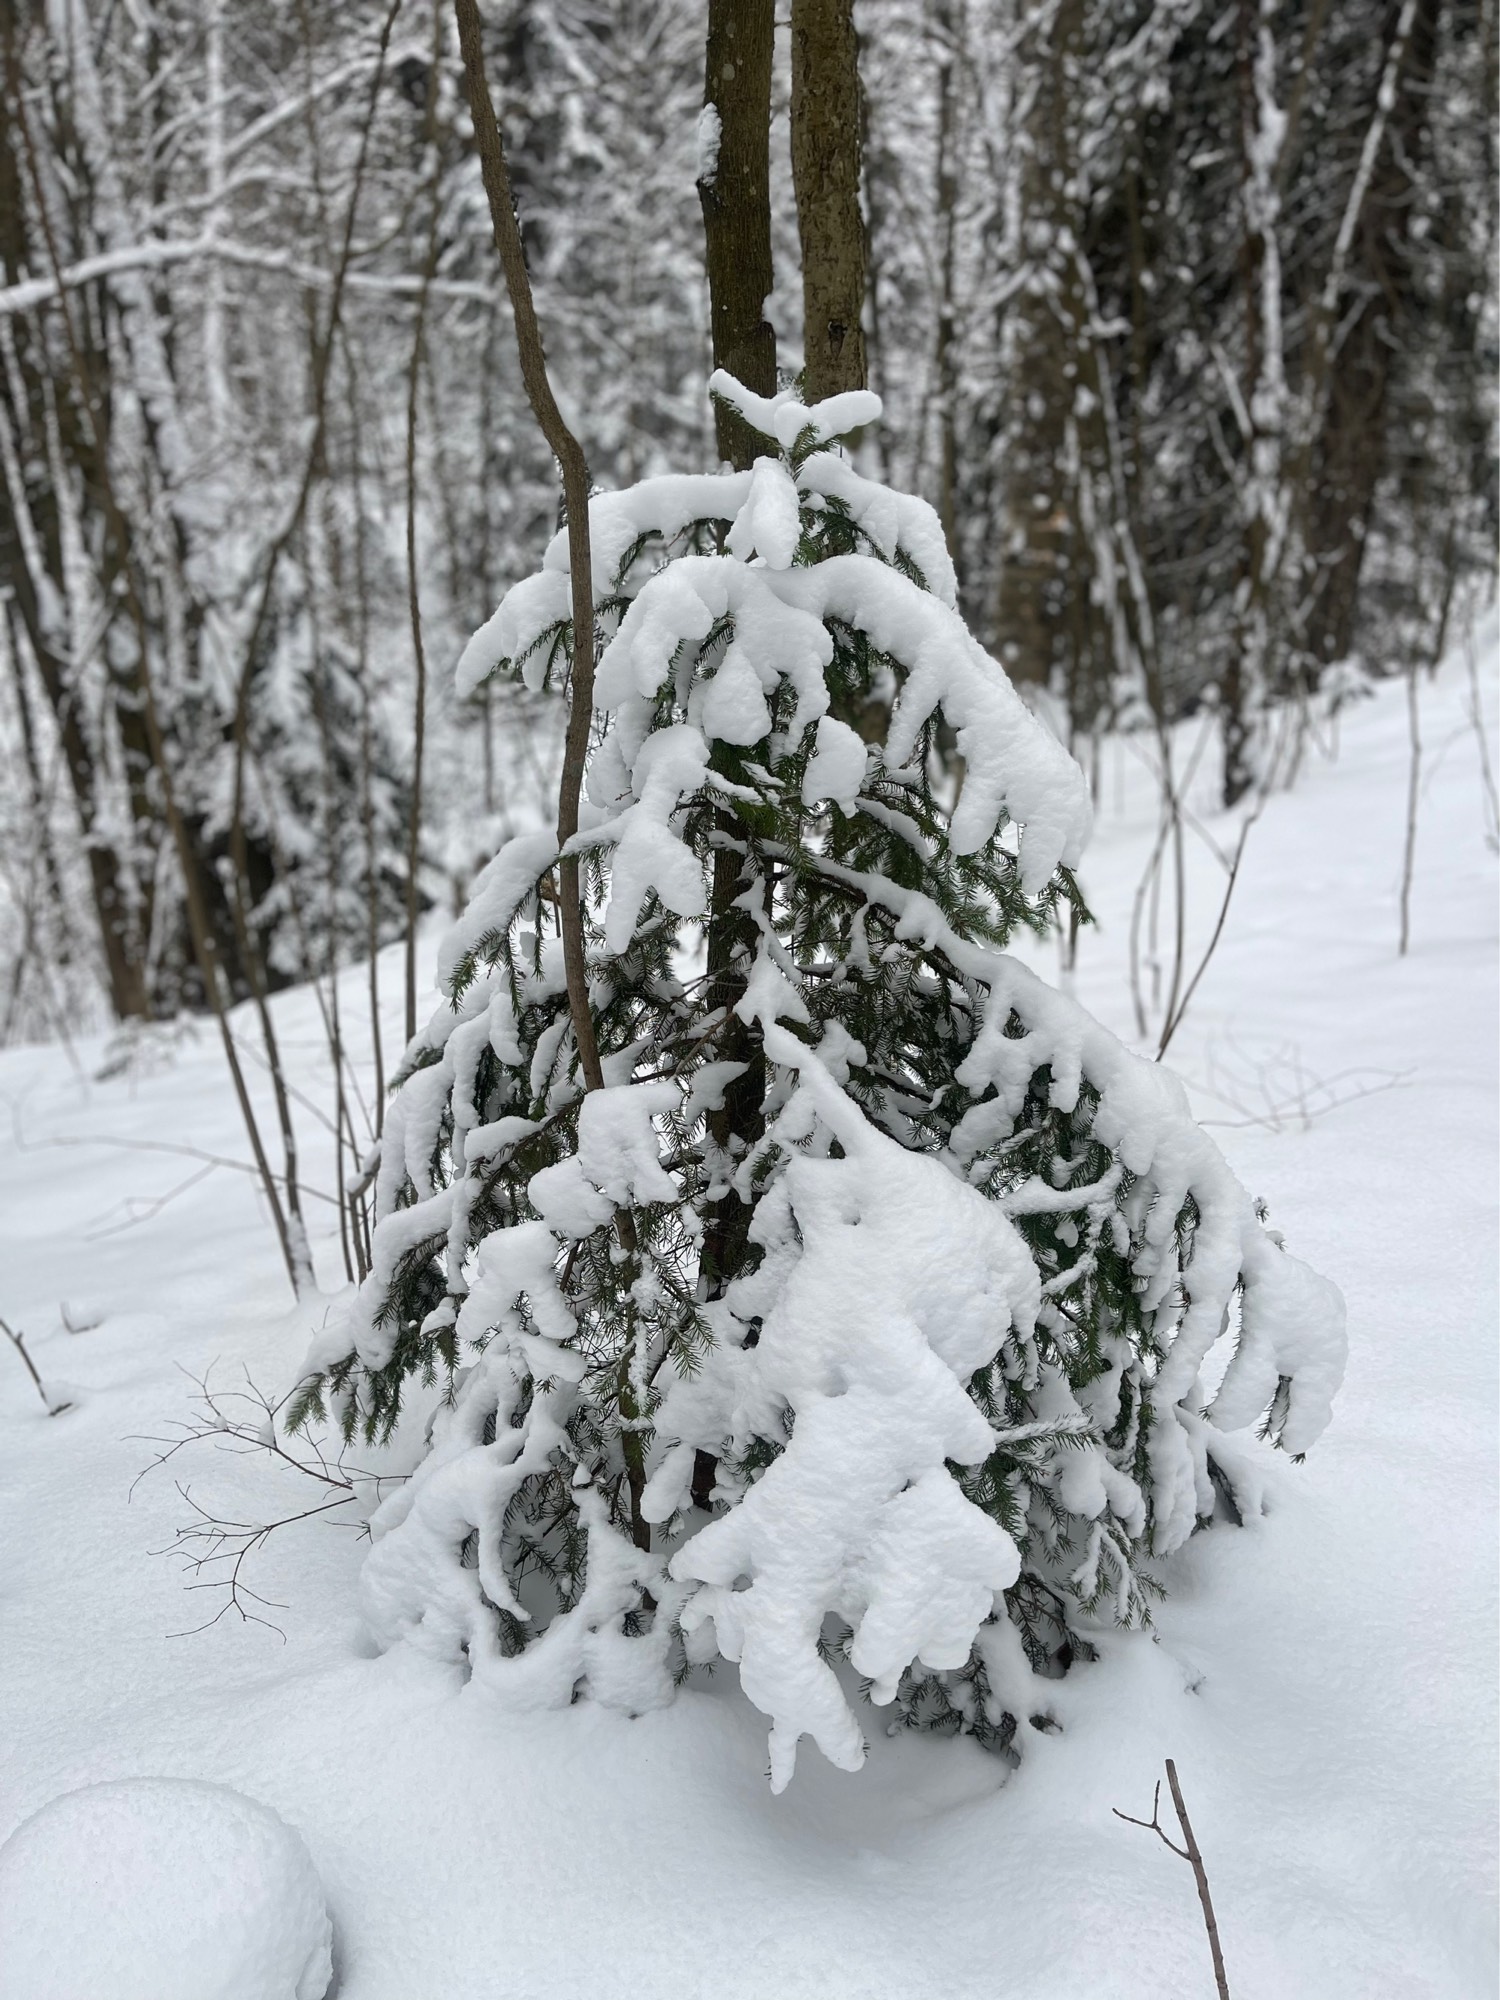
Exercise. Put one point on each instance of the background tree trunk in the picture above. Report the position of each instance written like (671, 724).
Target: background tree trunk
(825, 173)
(734, 186)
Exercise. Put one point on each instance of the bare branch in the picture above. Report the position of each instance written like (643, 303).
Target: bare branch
(215, 1547)
(575, 481)
(18, 1342)
(1174, 1019)
(1188, 1852)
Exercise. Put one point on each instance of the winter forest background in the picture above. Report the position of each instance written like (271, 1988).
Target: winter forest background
(1188, 334)
(1005, 872)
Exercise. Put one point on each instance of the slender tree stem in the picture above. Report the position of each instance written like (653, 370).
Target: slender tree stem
(575, 483)
(1486, 771)
(1200, 1876)
(413, 594)
(1174, 1018)
(1189, 1852)
(18, 1342)
(1413, 798)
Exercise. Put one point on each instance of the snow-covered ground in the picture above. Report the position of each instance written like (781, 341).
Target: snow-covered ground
(1324, 1679)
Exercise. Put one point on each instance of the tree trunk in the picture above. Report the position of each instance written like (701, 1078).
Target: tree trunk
(1352, 453)
(734, 186)
(1046, 625)
(735, 189)
(825, 173)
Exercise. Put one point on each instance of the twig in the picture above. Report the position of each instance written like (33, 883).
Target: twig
(25, 1145)
(1175, 815)
(140, 1208)
(1188, 1852)
(215, 1548)
(18, 1342)
(1413, 794)
(1414, 787)
(1299, 1106)
(1486, 771)
(1138, 904)
(1174, 1020)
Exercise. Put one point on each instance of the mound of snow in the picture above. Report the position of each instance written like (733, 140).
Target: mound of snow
(160, 1889)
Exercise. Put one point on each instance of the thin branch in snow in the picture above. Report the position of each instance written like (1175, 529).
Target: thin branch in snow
(1413, 796)
(1486, 769)
(216, 1547)
(17, 1340)
(1174, 1019)
(1190, 1853)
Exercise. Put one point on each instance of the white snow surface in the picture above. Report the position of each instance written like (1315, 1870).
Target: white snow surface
(1324, 1678)
(160, 1889)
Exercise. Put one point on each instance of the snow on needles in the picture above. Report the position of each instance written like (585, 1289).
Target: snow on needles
(962, 1370)
(779, 614)
(885, 1284)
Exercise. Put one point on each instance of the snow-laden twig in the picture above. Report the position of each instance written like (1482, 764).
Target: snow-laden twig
(166, 254)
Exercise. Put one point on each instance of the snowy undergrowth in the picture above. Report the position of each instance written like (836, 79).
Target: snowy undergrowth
(1323, 1678)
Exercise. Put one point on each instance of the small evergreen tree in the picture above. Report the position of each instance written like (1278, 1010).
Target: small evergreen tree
(946, 1405)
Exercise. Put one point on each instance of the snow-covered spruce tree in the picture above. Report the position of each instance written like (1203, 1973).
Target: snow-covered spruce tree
(947, 1406)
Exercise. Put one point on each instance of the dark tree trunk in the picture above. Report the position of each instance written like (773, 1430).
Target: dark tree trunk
(736, 196)
(1048, 630)
(825, 173)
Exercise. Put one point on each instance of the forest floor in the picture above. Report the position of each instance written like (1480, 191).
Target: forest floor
(1324, 1678)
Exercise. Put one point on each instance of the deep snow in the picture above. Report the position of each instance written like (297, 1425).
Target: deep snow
(160, 1889)
(1325, 1678)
